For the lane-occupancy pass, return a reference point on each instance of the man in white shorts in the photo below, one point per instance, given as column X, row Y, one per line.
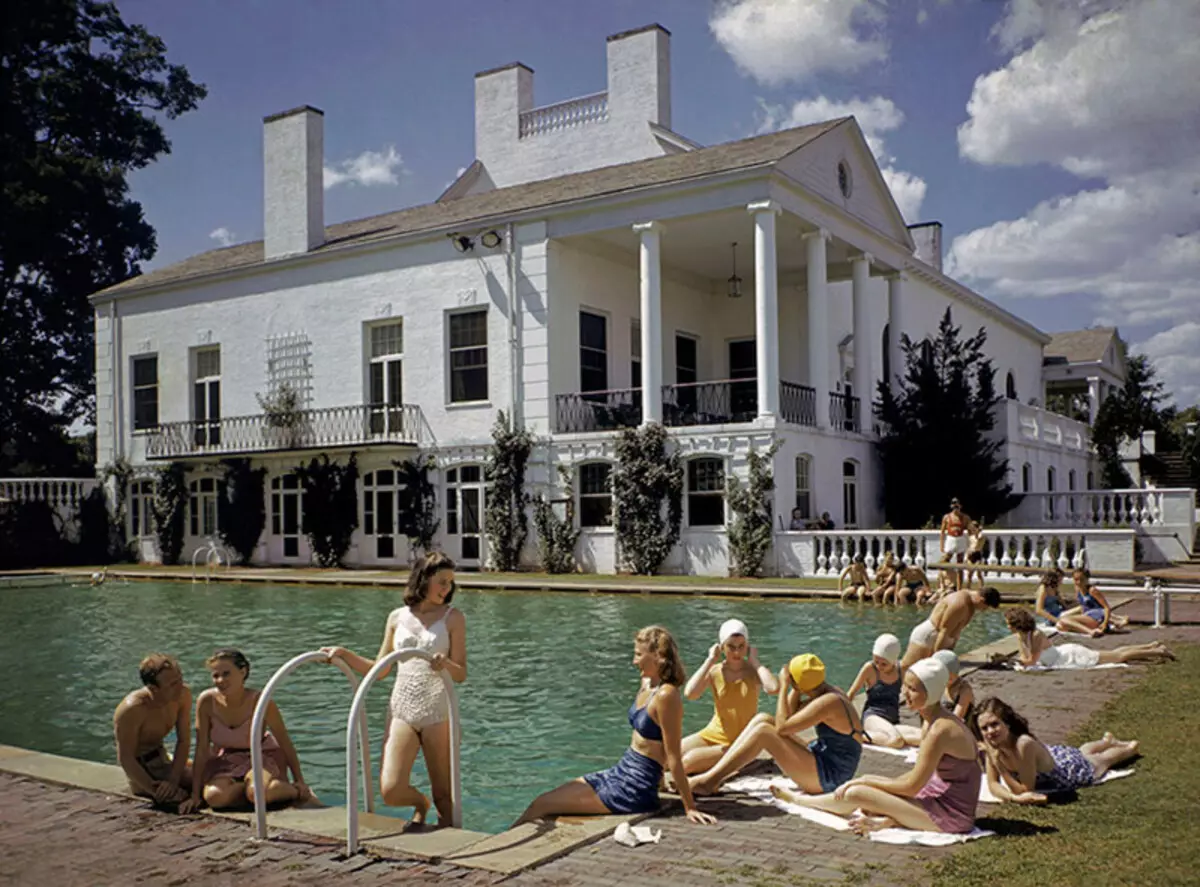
column 949, row 617
column 953, row 538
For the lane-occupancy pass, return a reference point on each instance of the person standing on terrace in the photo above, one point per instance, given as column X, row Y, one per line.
column 953, row 541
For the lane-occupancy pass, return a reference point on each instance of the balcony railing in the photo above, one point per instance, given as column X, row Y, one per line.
column 797, row 404
column 564, row 115
column 349, row 426
column 598, row 410
column 722, row 402
column 843, row 412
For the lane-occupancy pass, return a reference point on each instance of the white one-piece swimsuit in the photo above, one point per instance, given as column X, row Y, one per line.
column 419, row 694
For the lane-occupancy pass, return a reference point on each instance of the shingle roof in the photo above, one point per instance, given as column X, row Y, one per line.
column 1081, row 346
column 747, row 153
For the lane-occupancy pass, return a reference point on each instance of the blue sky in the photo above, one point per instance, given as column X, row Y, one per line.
column 1046, row 135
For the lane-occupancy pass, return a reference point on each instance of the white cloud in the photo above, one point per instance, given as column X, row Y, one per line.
column 1106, row 90
column 223, row 236
column 368, row 169
column 775, row 41
column 875, row 117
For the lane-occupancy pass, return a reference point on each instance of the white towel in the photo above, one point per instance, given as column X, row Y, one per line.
column 909, row 754
column 1039, row 667
column 631, row 836
column 759, row 787
column 986, row 796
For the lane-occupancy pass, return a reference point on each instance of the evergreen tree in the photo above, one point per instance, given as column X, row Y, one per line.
column 1133, row 408
column 936, row 440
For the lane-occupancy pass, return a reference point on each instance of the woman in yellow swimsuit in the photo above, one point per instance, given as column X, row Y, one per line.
column 735, row 683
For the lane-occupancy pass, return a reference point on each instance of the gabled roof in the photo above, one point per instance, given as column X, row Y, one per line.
column 759, row 151
column 1081, row 346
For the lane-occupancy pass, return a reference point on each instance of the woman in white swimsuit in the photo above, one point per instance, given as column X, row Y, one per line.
column 419, row 711
column 1035, row 648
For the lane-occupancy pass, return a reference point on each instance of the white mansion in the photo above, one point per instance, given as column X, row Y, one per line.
column 591, row 270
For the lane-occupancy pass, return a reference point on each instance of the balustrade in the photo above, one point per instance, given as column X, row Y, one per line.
column 597, row 410
column 798, row 403
column 564, row 115
column 844, row 412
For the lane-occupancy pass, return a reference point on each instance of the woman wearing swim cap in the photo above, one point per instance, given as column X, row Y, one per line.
column 915, row 800
column 960, row 696
column 735, row 685
column 882, row 678
column 806, row 699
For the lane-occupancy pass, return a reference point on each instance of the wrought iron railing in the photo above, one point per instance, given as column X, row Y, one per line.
column 723, row 402
column 844, row 412
column 347, row 426
column 797, row 404
column 597, row 410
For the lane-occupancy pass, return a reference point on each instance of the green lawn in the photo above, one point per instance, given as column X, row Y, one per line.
column 1141, row 830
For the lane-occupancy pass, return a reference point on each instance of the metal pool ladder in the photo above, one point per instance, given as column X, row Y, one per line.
column 358, row 712
column 259, row 721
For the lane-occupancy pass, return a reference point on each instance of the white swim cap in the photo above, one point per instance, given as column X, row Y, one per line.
column 887, row 646
column 948, row 659
column 934, row 676
column 730, row 627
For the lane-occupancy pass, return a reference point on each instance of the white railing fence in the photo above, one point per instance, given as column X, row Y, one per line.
column 60, row 493
column 564, row 115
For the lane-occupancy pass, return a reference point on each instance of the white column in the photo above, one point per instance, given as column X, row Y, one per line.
column 766, row 307
column 895, row 328
column 864, row 387
column 651, row 319
column 818, row 323
column 1093, row 399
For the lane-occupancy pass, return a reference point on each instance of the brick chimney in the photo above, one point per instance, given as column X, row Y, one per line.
column 293, row 186
column 639, row 76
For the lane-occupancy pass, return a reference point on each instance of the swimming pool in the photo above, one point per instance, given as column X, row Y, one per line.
column 550, row 674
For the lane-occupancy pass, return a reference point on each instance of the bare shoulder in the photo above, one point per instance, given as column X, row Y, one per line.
column 132, row 706
column 668, row 694
column 455, row 618
column 204, row 700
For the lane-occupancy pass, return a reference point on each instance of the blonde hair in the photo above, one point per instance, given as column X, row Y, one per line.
column 658, row 641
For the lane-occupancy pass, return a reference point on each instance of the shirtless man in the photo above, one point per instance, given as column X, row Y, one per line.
column 141, row 722
column 910, row 581
column 953, row 539
column 947, row 621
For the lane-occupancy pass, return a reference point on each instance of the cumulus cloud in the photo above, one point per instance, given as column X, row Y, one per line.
column 223, row 236
column 368, row 169
column 1107, row 91
column 776, row 41
column 1176, row 353
column 875, row 116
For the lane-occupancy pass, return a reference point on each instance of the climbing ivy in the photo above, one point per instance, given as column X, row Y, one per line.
column 751, row 531
column 504, row 518
column 647, row 484
column 241, row 509
column 557, row 537
column 330, row 507
column 120, row 472
column 170, row 500
column 417, row 505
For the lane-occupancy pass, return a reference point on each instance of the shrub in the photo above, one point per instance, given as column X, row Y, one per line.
column 504, row 517
column 241, row 512
column 557, row 537
column 330, row 507
column 647, row 483
column 751, row 532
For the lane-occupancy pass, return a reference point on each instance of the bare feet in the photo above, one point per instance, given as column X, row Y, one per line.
column 702, row 785
column 786, row 794
column 420, row 812
column 861, row 823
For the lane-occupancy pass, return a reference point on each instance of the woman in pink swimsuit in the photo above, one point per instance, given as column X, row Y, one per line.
column 223, row 716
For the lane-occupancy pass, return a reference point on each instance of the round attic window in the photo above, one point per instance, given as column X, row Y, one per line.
column 845, row 184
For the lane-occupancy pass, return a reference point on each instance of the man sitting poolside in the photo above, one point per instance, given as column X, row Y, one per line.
column 142, row 721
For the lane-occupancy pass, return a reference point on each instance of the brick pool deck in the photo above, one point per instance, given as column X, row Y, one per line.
column 52, row 834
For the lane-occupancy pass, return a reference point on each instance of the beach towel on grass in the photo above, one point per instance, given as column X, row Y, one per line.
column 986, row 796
column 759, row 788
column 1039, row 667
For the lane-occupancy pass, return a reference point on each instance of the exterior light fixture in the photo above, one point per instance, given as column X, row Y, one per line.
column 462, row 242
column 491, row 239
column 735, row 282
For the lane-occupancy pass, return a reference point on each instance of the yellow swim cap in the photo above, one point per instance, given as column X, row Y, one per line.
column 808, row 671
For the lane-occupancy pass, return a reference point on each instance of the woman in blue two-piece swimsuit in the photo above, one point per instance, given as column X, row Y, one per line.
column 1096, row 611
column 657, row 720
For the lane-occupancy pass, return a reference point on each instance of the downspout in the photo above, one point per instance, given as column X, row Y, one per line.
column 114, row 345
column 514, row 367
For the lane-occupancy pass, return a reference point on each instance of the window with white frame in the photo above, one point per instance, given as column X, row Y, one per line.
column 206, row 396
column 1071, row 480
column 595, row 494
column 1026, row 478
column 141, row 508
column 287, row 512
column 593, row 352
column 849, row 494
column 381, row 493
column 468, row 356
column 706, row 492
column 385, row 376
column 202, row 506
column 145, row 392
column 804, row 487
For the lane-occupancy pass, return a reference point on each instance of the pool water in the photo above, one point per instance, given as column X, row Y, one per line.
column 550, row 674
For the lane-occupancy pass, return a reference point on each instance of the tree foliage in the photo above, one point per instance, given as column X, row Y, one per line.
column 170, row 500
column 1127, row 412
column 557, row 537
column 936, row 439
column 751, row 532
column 82, row 93
column 241, row 509
column 647, row 484
column 504, row 517
column 417, row 504
column 330, row 507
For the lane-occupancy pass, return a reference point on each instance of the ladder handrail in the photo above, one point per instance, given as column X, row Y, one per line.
column 358, row 709
column 257, row 724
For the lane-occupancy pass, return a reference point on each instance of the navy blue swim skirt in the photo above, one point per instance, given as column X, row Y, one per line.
column 629, row 787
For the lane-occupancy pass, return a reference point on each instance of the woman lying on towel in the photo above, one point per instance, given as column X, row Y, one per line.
column 1022, row 770
column 1036, row 649
column 938, row 794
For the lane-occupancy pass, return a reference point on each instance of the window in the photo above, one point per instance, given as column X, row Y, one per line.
column 743, row 396
column 464, row 509
column 202, row 506
column 468, row 356
column 141, row 508
column 849, row 494
column 706, row 492
column 1026, row 478
column 1010, row 387
column 1050, row 474
column 886, row 362
column 1091, row 481
column 685, row 372
column 385, row 377
column 287, row 512
column 206, row 397
column 145, row 392
column 635, row 355
column 595, row 494
column 845, row 182
column 804, row 486
column 593, row 352
column 1071, row 480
